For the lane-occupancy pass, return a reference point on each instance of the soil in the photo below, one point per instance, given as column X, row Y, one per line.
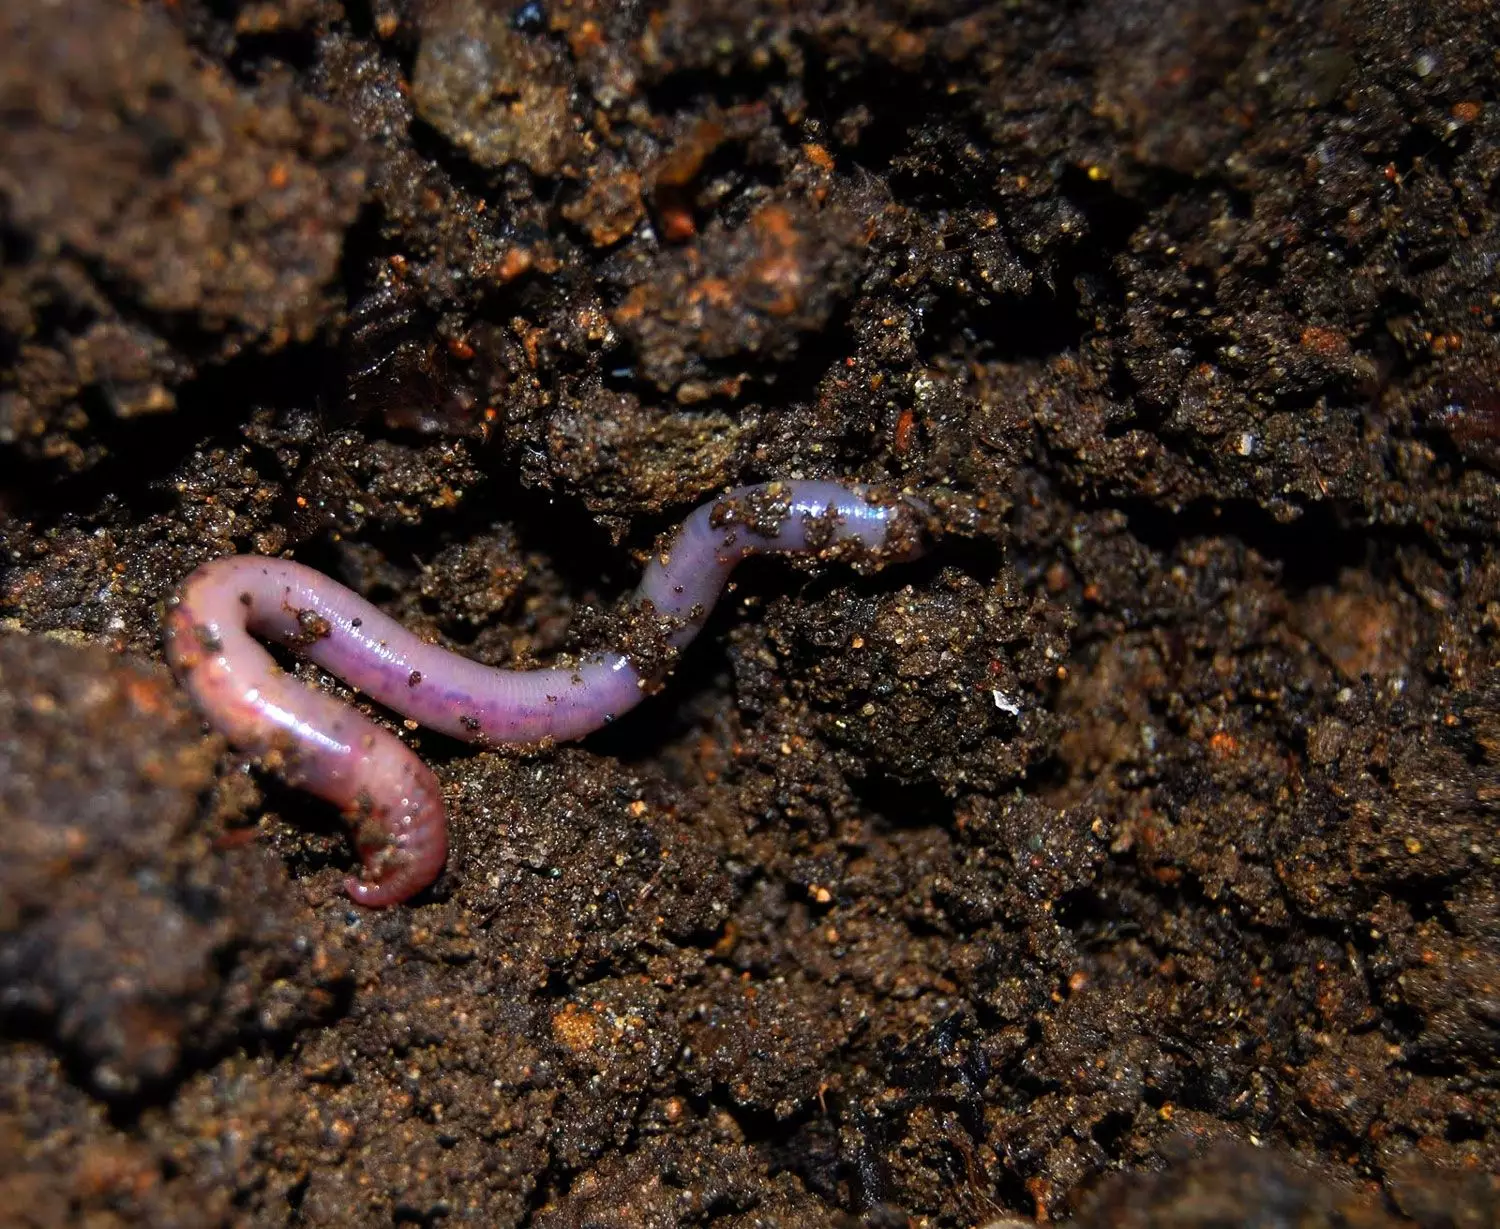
column 1133, row 857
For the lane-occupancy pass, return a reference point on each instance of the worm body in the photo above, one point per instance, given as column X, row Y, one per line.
column 391, row 799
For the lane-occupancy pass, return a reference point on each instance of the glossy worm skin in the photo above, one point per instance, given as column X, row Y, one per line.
column 390, row 797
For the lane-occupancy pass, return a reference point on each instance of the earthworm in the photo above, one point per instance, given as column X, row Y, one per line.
column 389, row 796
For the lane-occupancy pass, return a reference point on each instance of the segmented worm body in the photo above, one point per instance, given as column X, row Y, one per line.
column 390, row 797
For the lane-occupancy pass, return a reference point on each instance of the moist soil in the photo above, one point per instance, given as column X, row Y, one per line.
column 1132, row 857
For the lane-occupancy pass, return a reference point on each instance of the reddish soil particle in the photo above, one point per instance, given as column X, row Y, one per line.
column 1132, row 857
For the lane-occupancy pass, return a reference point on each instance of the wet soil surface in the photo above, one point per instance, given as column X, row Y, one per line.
column 1132, row 857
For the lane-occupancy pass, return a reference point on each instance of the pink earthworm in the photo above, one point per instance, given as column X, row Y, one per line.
column 390, row 797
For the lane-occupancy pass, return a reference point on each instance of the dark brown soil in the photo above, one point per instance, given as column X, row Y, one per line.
column 1133, row 857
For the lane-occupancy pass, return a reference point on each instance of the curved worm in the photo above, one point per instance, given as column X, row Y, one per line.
column 391, row 799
